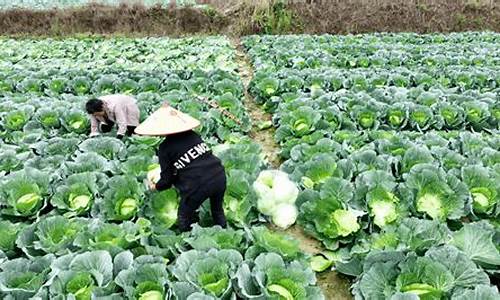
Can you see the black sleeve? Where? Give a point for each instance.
(167, 174)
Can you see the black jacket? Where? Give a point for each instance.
(187, 163)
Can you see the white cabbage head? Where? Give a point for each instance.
(285, 215)
(153, 175)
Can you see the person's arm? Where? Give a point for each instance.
(121, 119)
(94, 126)
(167, 173)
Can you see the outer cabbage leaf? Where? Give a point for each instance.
(477, 114)
(435, 193)
(298, 123)
(87, 162)
(105, 85)
(76, 121)
(377, 188)
(48, 118)
(269, 277)
(417, 235)
(483, 188)
(239, 199)
(265, 240)
(83, 276)
(477, 241)
(450, 116)
(162, 208)
(209, 273)
(328, 217)
(16, 119)
(366, 116)
(441, 272)
(113, 238)
(480, 292)
(122, 199)
(77, 194)
(57, 146)
(22, 278)
(54, 234)
(242, 156)
(424, 277)
(145, 279)
(24, 192)
(414, 156)
(421, 117)
(215, 237)
(136, 165)
(396, 115)
(8, 234)
(10, 160)
(321, 167)
(80, 85)
(465, 272)
(108, 147)
(267, 87)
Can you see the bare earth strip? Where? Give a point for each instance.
(264, 137)
(334, 287)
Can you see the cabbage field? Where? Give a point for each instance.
(389, 159)
(62, 4)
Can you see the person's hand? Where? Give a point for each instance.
(152, 186)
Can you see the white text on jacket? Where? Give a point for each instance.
(190, 155)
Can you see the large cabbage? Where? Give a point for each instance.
(276, 197)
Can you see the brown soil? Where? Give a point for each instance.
(334, 286)
(263, 137)
(307, 243)
(241, 17)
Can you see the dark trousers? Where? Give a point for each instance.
(214, 190)
(109, 125)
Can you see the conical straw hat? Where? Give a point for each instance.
(166, 120)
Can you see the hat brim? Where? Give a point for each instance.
(165, 121)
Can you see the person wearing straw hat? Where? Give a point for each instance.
(107, 110)
(187, 163)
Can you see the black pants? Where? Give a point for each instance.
(109, 125)
(214, 190)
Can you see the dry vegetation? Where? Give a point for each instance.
(265, 16)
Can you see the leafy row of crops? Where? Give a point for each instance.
(76, 220)
(140, 54)
(394, 141)
(304, 52)
(60, 4)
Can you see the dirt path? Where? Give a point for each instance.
(333, 286)
(264, 137)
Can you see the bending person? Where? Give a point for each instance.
(106, 111)
(187, 163)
